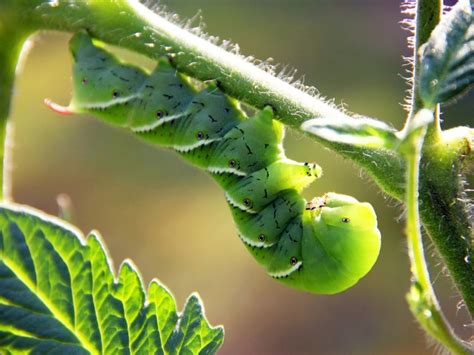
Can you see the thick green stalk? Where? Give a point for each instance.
(428, 15)
(129, 24)
(443, 210)
(422, 299)
(12, 39)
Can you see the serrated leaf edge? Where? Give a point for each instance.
(79, 235)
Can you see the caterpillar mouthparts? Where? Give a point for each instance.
(322, 246)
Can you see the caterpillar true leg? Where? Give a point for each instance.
(324, 246)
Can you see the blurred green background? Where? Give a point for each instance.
(172, 220)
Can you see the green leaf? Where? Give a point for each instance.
(447, 59)
(360, 132)
(58, 294)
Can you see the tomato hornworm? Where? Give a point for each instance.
(322, 246)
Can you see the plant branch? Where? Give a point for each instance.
(422, 299)
(443, 209)
(128, 24)
(428, 15)
(12, 39)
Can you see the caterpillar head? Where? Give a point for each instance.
(341, 243)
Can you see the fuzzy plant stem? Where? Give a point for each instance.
(422, 298)
(428, 15)
(11, 43)
(443, 210)
(129, 24)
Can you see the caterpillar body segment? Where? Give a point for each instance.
(324, 246)
(210, 118)
(249, 146)
(92, 80)
(255, 191)
(262, 230)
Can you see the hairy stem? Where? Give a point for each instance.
(428, 15)
(12, 39)
(422, 299)
(128, 24)
(443, 210)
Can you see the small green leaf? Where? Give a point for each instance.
(58, 294)
(447, 59)
(360, 132)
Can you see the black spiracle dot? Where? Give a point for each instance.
(115, 94)
(261, 237)
(84, 81)
(159, 114)
(293, 260)
(200, 135)
(345, 220)
(247, 202)
(232, 163)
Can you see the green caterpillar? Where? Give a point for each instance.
(324, 246)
